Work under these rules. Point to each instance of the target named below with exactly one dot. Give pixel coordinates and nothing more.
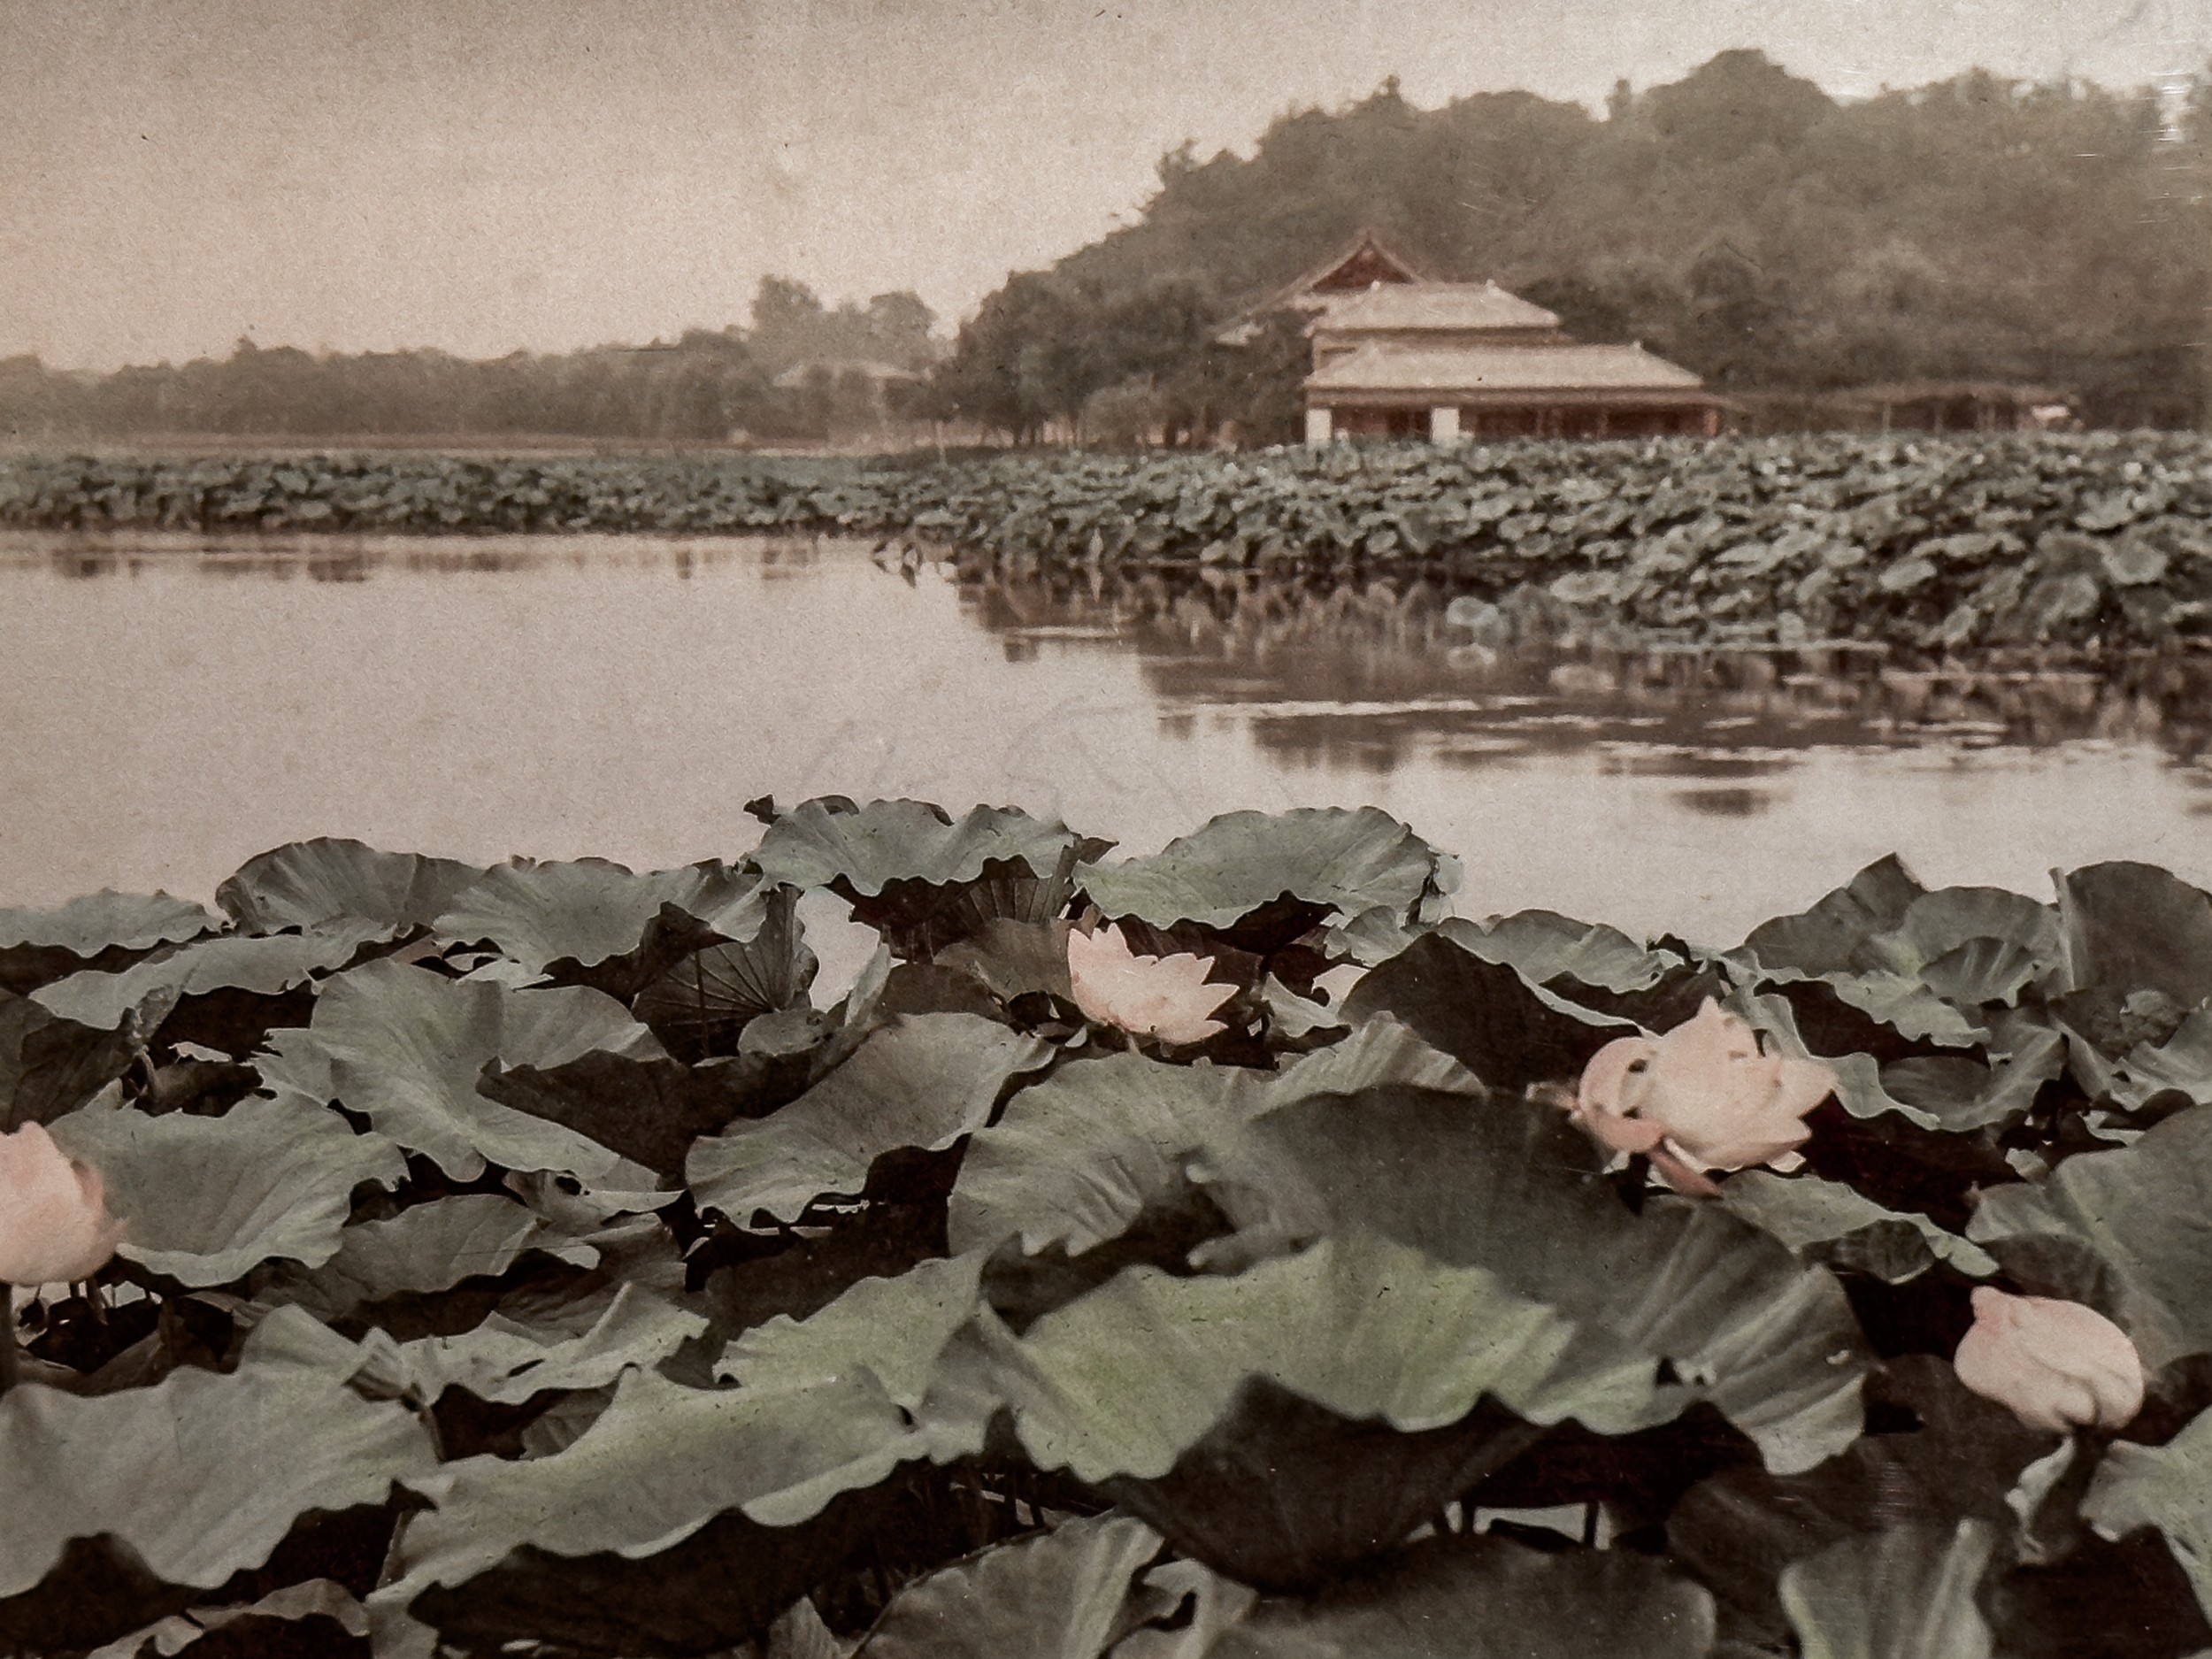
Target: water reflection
(174, 705)
(1376, 677)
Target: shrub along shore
(2086, 545)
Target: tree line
(1739, 221)
(803, 372)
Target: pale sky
(486, 175)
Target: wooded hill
(1739, 221)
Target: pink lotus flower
(1702, 1097)
(54, 1221)
(1167, 997)
(2057, 1364)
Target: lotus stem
(10, 1364)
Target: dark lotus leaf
(720, 1585)
(1014, 959)
(1834, 936)
(798, 1276)
(2181, 1064)
(918, 918)
(107, 920)
(648, 1110)
(50, 1066)
(1471, 1597)
(207, 1200)
(1935, 1453)
(1349, 862)
(2101, 1601)
(313, 883)
(701, 1005)
(1810, 1215)
(1483, 1013)
(1066, 1594)
(424, 1248)
(1905, 1592)
(314, 1619)
(1495, 1183)
(2134, 927)
(866, 848)
(2140, 1211)
(98, 1589)
(203, 1474)
(1282, 1494)
(589, 911)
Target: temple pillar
(1444, 424)
(1318, 425)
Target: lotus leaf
(1907, 1593)
(204, 1473)
(263, 965)
(922, 1080)
(2167, 1486)
(1804, 1211)
(205, 1200)
(405, 1047)
(868, 847)
(108, 920)
(589, 910)
(311, 884)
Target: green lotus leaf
(1771, 1341)
(1122, 1381)
(1906, 1592)
(1804, 1211)
(50, 1066)
(1961, 1094)
(650, 1111)
(405, 1047)
(890, 1329)
(312, 883)
(2134, 927)
(265, 966)
(703, 1005)
(1939, 923)
(506, 1361)
(2183, 1062)
(590, 910)
(869, 847)
(1345, 862)
(1545, 947)
(1835, 935)
(206, 1200)
(1472, 1597)
(1077, 1158)
(1859, 1084)
(922, 1080)
(657, 1466)
(1068, 1595)
(108, 920)
(2140, 1211)
(202, 1474)
(2167, 1486)
(427, 1249)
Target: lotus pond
(549, 1259)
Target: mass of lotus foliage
(1221, 1252)
(2090, 544)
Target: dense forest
(803, 371)
(1739, 221)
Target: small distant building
(1398, 354)
(835, 371)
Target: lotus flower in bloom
(1166, 997)
(54, 1220)
(2057, 1364)
(1702, 1097)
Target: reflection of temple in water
(1363, 675)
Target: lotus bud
(2057, 1364)
(1167, 997)
(1703, 1096)
(54, 1221)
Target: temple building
(1397, 355)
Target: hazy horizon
(379, 174)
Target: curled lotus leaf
(1546, 946)
(265, 966)
(868, 848)
(405, 1047)
(1343, 862)
(205, 1200)
(108, 920)
(589, 910)
(312, 883)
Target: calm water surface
(172, 708)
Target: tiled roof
(1459, 305)
(1501, 368)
